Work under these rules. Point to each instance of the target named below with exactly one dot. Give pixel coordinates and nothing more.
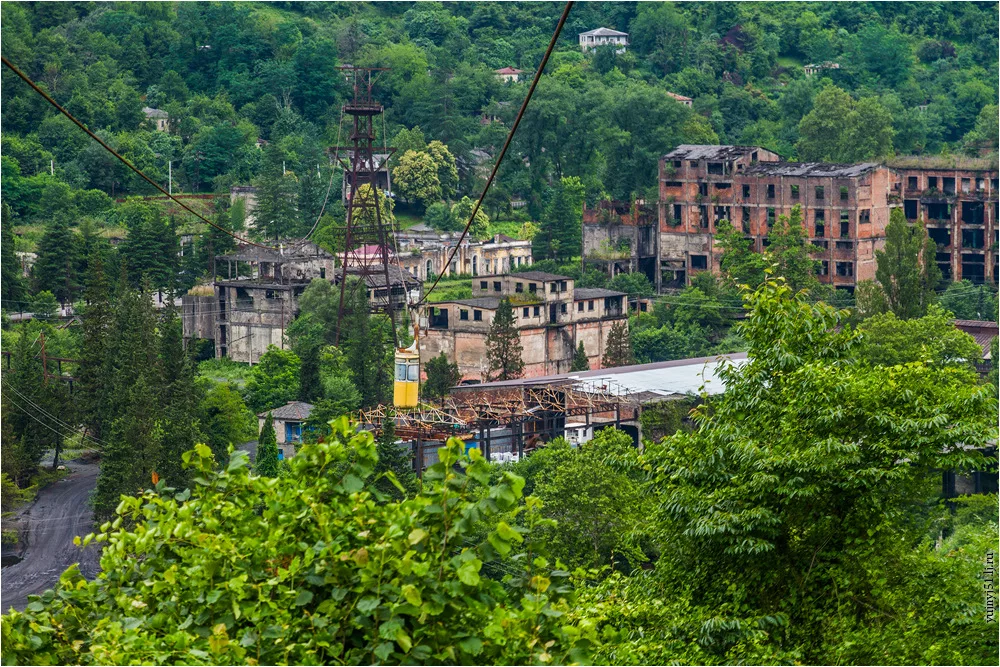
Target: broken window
(524, 313)
(463, 315)
(677, 213)
(966, 185)
(939, 212)
(590, 305)
(746, 190)
(703, 212)
(562, 308)
(532, 288)
(673, 184)
(949, 186)
(910, 208)
(678, 164)
(911, 183)
(795, 192)
(579, 306)
(536, 311)
(496, 285)
(563, 286)
(845, 229)
(845, 269)
(821, 244)
(518, 287)
(770, 216)
(931, 182)
(940, 236)
(864, 216)
(820, 230)
(980, 185)
(483, 284)
(703, 189)
(843, 193)
(746, 219)
(477, 315)
(770, 190)
(819, 192)
(824, 268)
(553, 288)
(723, 186)
(699, 261)
(715, 168)
(972, 212)
(972, 238)
(843, 245)
(694, 164)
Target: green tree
(369, 349)
(12, 282)
(55, 269)
(618, 351)
(44, 306)
(274, 381)
(790, 251)
(395, 465)
(439, 559)
(225, 419)
(416, 179)
(581, 362)
(932, 339)
(266, 464)
(406, 141)
(462, 211)
(29, 412)
(447, 169)
(906, 267)
(838, 129)
(503, 346)
(971, 302)
(95, 365)
(442, 375)
(179, 399)
(559, 235)
(740, 263)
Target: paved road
(60, 513)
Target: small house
(592, 39)
(158, 118)
(289, 421)
(686, 101)
(509, 74)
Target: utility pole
(170, 177)
(52, 167)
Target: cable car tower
(367, 233)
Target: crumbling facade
(618, 238)
(551, 315)
(845, 209)
(956, 200)
(425, 255)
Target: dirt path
(60, 513)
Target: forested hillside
(918, 75)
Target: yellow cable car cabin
(406, 388)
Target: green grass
(224, 370)
(407, 220)
(788, 61)
(450, 290)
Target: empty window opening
(843, 245)
(865, 216)
(703, 189)
(673, 184)
(699, 261)
(463, 315)
(693, 164)
(703, 221)
(845, 269)
(932, 182)
(910, 208)
(590, 305)
(820, 230)
(525, 312)
(532, 288)
(536, 312)
(579, 307)
(972, 238)
(496, 285)
(678, 164)
(966, 185)
(677, 213)
(770, 190)
(843, 193)
(518, 287)
(940, 236)
(746, 190)
(939, 212)
(483, 284)
(824, 268)
(911, 183)
(715, 168)
(477, 315)
(770, 217)
(795, 192)
(723, 186)
(819, 192)
(973, 212)
(949, 186)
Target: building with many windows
(551, 315)
(845, 209)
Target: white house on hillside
(591, 39)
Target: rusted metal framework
(509, 419)
(366, 233)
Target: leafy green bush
(308, 568)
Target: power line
(24, 77)
(506, 144)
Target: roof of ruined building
(603, 32)
(664, 378)
(710, 152)
(508, 70)
(540, 276)
(826, 169)
(291, 411)
(486, 302)
(376, 277)
(962, 162)
(582, 293)
(155, 113)
(289, 250)
(682, 98)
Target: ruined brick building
(845, 210)
(551, 315)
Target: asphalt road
(60, 513)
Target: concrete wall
(198, 316)
(255, 316)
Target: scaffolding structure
(508, 421)
(367, 233)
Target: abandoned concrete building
(551, 315)
(956, 199)
(255, 297)
(425, 255)
(845, 209)
(618, 238)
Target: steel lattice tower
(366, 233)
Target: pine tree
(790, 249)
(94, 379)
(619, 349)
(179, 399)
(503, 346)
(55, 268)
(28, 410)
(12, 283)
(266, 464)
(580, 360)
(555, 239)
(368, 350)
(395, 459)
(906, 268)
(442, 375)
